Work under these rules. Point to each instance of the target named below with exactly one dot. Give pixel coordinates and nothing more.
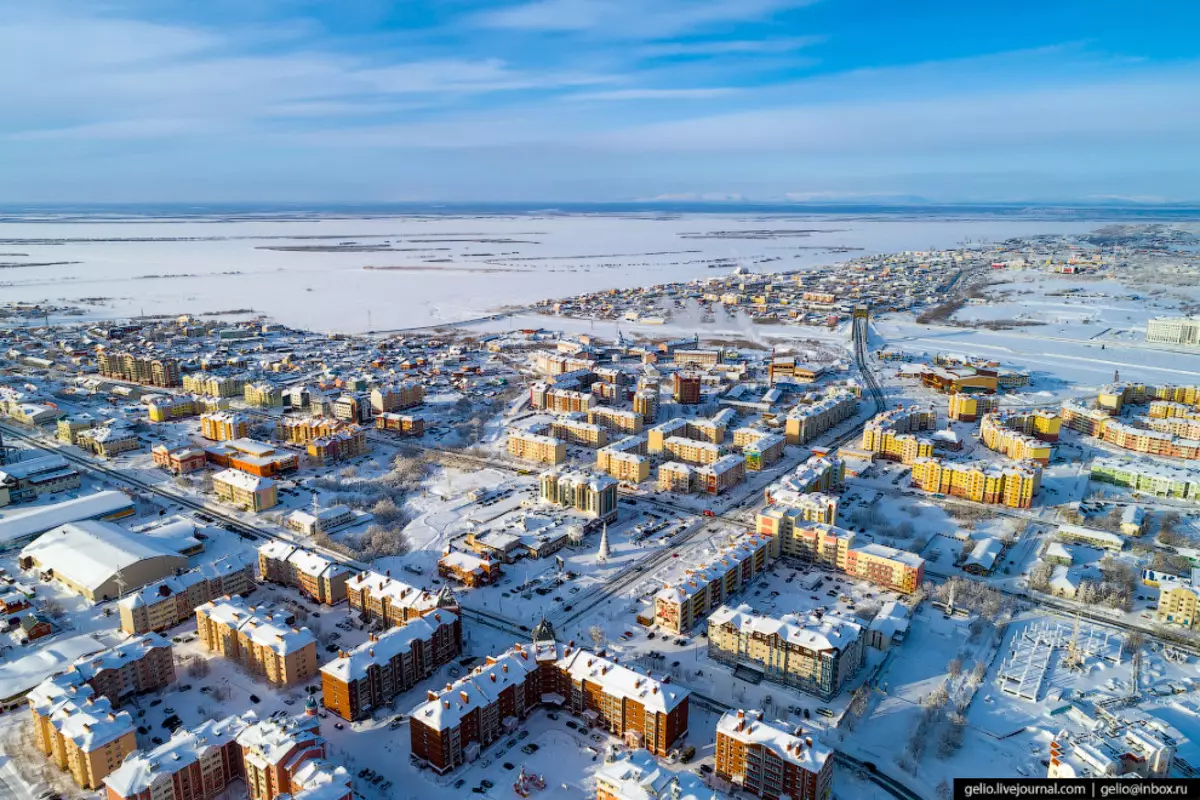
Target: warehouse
(99, 560)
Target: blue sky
(556, 100)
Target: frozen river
(378, 273)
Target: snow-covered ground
(443, 268)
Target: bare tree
(198, 667)
(1039, 576)
(598, 636)
(954, 668)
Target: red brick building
(455, 724)
(371, 675)
(771, 762)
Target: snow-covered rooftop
(750, 728)
(91, 552)
(20, 526)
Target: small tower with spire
(446, 598)
(602, 553)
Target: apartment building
(456, 723)
(895, 569)
(350, 442)
(812, 507)
(180, 461)
(814, 654)
(891, 434)
(404, 424)
(536, 447)
(766, 760)
(809, 420)
(685, 388)
(303, 430)
(278, 752)
(205, 383)
(265, 642)
(1180, 426)
(656, 437)
(397, 397)
(1083, 419)
(224, 426)
(683, 602)
(316, 576)
(161, 372)
(350, 407)
(194, 764)
(562, 401)
(554, 364)
(1174, 330)
(965, 407)
(370, 676)
(808, 541)
(589, 494)
(80, 731)
(1144, 440)
(170, 407)
(1161, 480)
(1178, 603)
(173, 601)
(625, 460)
(576, 431)
(638, 776)
(262, 394)
(725, 473)
(761, 449)
(645, 406)
(833, 546)
(377, 597)
(1021, 436)
(674, 476)
(1013, 485)
(692, 451)
(817, 474)
(709, 430)
(785, 369)
(245, 491)
(616, 420)
(139, 665)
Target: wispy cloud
(713, 47)
(623, 19)
(654, 94)
(506, 96)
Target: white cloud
(630, 19)
(1106, 113)
(653, 94)
(718, 47)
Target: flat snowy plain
(312, 272)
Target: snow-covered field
(311, 272)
